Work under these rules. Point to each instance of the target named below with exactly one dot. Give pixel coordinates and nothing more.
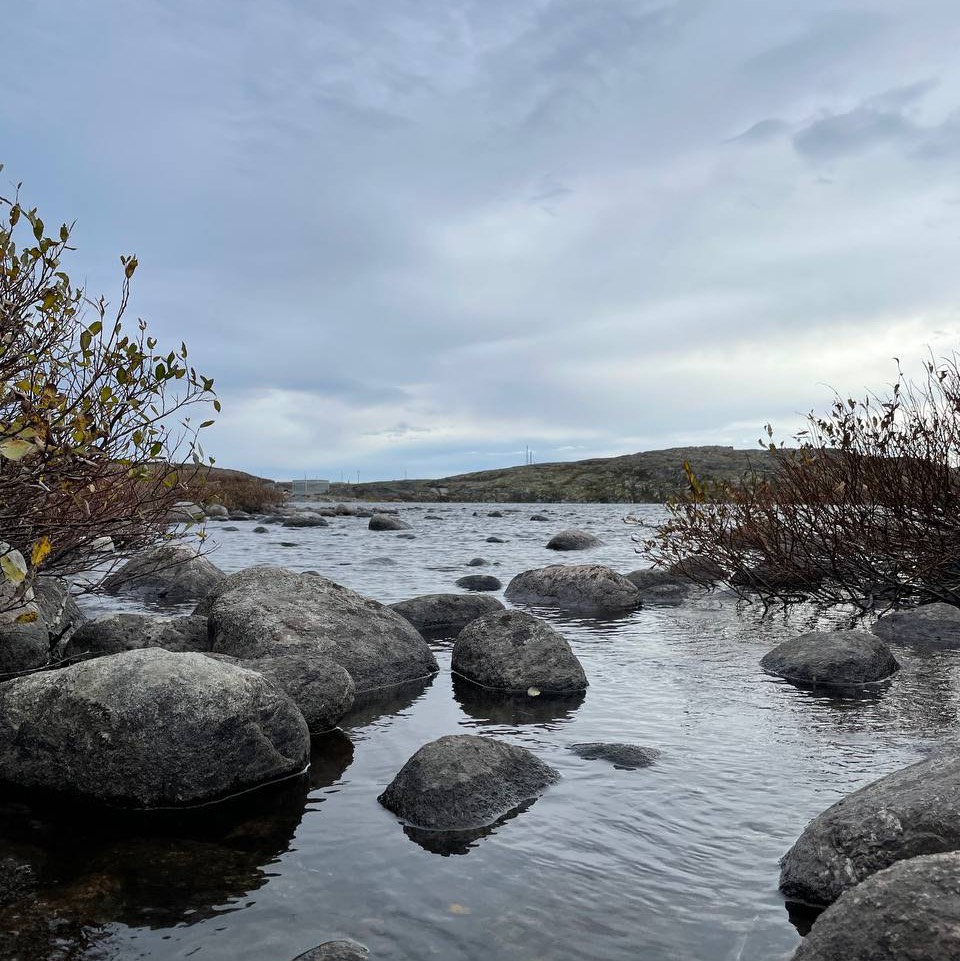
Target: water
(677, 861)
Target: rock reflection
(386, 702)
(448, 843)
(490, 707)
(93, 867)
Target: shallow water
(676, 861)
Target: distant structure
(309, 488)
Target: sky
(415, 237)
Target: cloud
(423, 235)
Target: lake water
(677, 861)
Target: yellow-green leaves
(13, 566)
(40, 551)
(16, 448)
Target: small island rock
(464, 781)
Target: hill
(645, 477)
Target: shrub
(865, 511)
(90, 411)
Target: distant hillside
(646, 477)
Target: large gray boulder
(321, 688)
(384, 522)
(913, 811)
(114, 633)
(930, 625)
(463, 781)
(267, 611)
(580, 587)
(216, 511)
(434, 614)
(306, 520)
(832, 659)
(173, 574)
(908, 912)
(147, 729)
(513, 651)
(573, 540)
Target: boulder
(28, 644)
(464, 781)
(186, 512)
(539, 517)
(831, 659)
(217, 511)
(147, 729)
(478, 562)
(306, 520)
(266, 611)
(406, 536)
(579, 587)
(573, 540)
(495, 514)
(335, 951)
(384, 522)
(445, 613)
(260, 529)
(625, 757)
(515, 652)
(913, 811)
(114, 633)
(321, 688)
(479, 582)
(908, 912)
(697, 568)
(493, 539)
(930, 625)
(172, 574)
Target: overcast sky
(415, 236)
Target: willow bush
(92, 412)
(862, 511)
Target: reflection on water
(679, 862)
(447, 843)
(490, 707)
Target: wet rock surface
(148, 729)
(512, 651)
(930, 625)
(386, 522)
(173, 575)
(908, 912)
(479, 582)
(582, 587)
(438, 614)
(628, 757)
(832, 659)
(335, 951)
(573, 540)
(913, 811)
(114, 633)
(463, 781)
(267, 611)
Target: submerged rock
(478, 562)
(513, 652)
(626, 757)
(580, 587)
(335, 951)
(493, 539)
(479, 582)
(445, 613)
(539, 517)
(266, 611)
(171, 574)
(907, 912)
(573, 540)
(659, 587)
(913, 811)
(832, 659)
(697, 568)
(385, 522)
(114, 633)
(930, 625)
(463, 781)
(148, 729)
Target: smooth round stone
(832, 659)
